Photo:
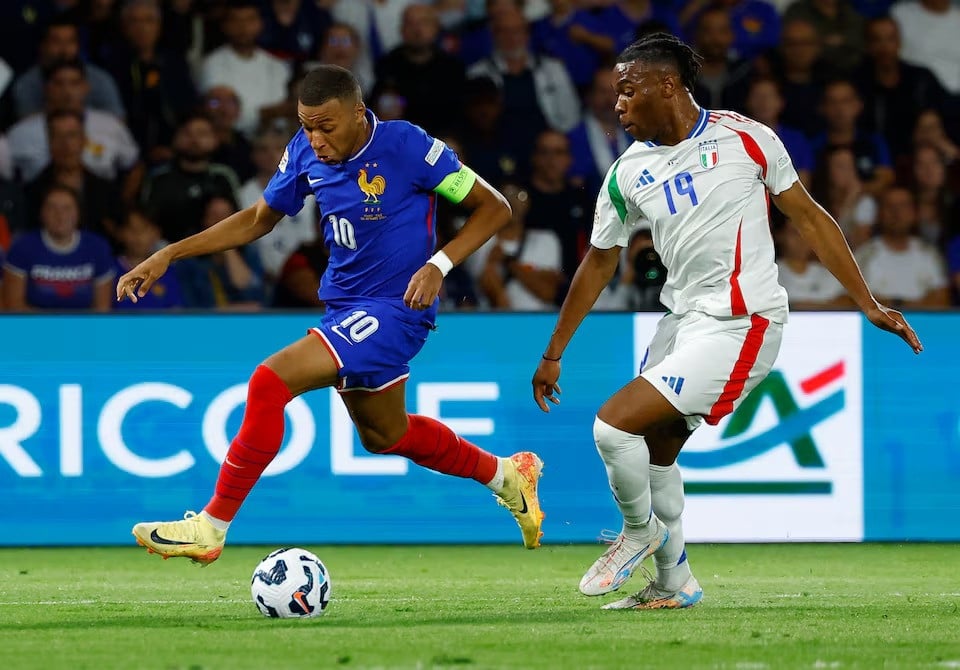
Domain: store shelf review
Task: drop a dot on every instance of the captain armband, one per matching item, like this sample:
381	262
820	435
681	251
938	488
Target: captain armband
456	185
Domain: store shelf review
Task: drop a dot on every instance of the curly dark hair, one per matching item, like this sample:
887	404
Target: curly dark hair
665	49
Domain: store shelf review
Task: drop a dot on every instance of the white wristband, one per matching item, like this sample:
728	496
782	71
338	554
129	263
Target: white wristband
442	262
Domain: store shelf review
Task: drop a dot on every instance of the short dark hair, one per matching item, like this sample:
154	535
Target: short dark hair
329	82
665	49
68	64
54	116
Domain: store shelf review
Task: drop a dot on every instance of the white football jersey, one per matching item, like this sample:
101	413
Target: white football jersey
705	201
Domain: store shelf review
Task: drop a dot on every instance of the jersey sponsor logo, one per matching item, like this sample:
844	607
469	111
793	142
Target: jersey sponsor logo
372	187
783	161
436	149
709	154
282	166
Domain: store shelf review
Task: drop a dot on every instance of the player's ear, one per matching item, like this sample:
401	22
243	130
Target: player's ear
668	85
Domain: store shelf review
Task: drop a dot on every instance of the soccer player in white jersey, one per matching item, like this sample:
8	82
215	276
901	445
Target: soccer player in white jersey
700	180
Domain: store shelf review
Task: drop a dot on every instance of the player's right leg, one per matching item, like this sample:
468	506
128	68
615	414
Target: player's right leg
304	365
385	427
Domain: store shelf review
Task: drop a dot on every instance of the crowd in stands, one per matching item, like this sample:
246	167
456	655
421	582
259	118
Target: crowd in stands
129	124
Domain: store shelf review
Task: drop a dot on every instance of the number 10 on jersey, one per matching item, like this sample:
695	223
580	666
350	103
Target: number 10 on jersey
683	185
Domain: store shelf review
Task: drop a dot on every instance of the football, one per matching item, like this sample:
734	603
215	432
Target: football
290	584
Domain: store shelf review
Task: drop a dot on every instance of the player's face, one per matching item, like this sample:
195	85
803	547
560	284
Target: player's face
640	91
335	128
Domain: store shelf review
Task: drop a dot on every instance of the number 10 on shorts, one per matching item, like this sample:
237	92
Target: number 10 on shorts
357	327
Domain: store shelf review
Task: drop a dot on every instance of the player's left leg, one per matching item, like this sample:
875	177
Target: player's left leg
385	427
674	586
619	431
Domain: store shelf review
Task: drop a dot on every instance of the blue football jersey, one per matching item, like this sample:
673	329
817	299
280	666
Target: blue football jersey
378	207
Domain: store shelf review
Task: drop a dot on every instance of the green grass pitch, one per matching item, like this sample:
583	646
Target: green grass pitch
765	606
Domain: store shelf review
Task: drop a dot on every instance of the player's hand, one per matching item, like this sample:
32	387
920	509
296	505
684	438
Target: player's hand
136	283
892	321
545	384
424	287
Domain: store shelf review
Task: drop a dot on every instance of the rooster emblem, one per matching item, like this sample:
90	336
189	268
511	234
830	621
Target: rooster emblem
371	188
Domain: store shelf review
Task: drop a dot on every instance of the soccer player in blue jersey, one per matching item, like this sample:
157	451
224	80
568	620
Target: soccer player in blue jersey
376	184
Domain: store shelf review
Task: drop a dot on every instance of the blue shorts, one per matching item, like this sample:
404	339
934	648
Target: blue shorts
372	341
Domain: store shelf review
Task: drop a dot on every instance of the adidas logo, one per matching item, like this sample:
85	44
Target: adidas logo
645	178
675	383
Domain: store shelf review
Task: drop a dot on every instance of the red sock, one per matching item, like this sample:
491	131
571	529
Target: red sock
255	445
431	444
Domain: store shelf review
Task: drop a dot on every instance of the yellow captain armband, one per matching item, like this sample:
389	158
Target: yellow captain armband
456	185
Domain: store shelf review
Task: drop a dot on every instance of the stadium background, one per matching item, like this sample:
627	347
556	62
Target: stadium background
852	431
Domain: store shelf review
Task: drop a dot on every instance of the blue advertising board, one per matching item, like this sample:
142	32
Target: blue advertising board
911	425
107	420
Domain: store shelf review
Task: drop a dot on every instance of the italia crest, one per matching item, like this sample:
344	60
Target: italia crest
709	155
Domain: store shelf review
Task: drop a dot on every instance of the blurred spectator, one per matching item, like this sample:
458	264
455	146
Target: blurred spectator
377	21
522	269
61	42
293	29
99	199
894	92
555	203
765	104
156	85
6	94
576	38
476	38
139	237
841	108
622	19
414	68
230	280
801	73
376	24
838	188
929	129
755	23
902	269
176	194
598	139
258	78
13	212
59	267
839	26
639	280
929	30
723	79
388	104
537	91
222	107
343	46
485	141
98	21
109	151
809	285
183	32
298	282
936	202
291	232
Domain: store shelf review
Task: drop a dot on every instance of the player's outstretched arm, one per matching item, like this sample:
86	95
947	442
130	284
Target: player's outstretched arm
595	272
489	212
234	231
823	234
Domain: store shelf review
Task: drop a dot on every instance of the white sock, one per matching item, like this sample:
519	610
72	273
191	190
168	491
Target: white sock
496	484
219	524
628	460
666	493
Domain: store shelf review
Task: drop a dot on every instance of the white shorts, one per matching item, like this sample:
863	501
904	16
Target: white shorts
705	365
